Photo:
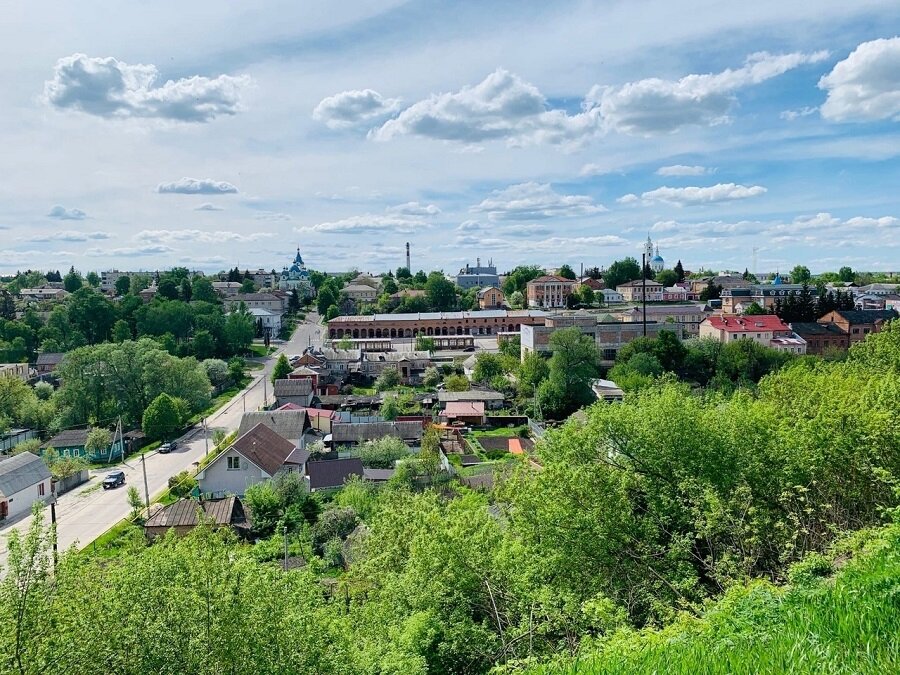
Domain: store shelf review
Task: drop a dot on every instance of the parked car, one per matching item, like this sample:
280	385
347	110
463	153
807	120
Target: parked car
166	448
114	479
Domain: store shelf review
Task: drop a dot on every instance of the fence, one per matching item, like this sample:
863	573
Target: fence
63	485
536	428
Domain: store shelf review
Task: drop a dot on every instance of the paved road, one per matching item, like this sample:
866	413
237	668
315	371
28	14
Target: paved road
86	512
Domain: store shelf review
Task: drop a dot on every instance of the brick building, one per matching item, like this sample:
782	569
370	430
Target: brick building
487	322
550	292
767	330
820	337
859	323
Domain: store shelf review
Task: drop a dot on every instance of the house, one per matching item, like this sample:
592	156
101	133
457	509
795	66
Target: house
468	412
147	294
227	289
679	293
71	443
490	298
869	301
767	330
737	300
880	289
360	292
256	456
270	301
185	514
820	337
267	320
378	475
611	296
550	291
19	371
595	285
401	295
43	293
12	437
291	424
492	400
319	418
24	480
47	362
409	365
724	280
858	323
632	291
306	373
298	391
330	474
351	434
892	302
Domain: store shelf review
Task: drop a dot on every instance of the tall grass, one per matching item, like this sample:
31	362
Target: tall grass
846	623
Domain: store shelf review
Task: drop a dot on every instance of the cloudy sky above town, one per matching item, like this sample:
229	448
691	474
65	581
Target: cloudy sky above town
146	135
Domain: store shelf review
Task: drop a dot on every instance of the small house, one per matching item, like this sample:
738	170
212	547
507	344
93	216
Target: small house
185	514
330	474
294	391
72	442
470	413
352	434
12	437
48	362
24	480
290	424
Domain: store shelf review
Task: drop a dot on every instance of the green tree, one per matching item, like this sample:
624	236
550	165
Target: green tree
390	408
72	281
667	278
388	379
517	280
389	286
712	291
534	370
800	274
121	330
247	286
679	272
572	367
217	371
456	383
441	293
622	271
755	309
282	368
487	366
516	299
162	418
93	279
846	274
202	290
382	453
326	298
123	285
98	441
185	290
167	289
91	314
511	347
182	484
566	272
238	331
425	344
332	312
134	501
431	377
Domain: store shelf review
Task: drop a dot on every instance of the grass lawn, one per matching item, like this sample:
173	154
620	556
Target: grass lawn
502	432
261	351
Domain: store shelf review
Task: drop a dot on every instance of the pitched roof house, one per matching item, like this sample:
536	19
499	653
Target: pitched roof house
859	323
256	456
289	424
332	473
350	433
24	480
299	391
185	514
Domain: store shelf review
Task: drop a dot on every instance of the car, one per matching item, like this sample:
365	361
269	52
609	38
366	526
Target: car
114	479
166	448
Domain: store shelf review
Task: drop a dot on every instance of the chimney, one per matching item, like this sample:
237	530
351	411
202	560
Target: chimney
408	266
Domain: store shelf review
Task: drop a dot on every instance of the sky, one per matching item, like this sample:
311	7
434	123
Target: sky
140	136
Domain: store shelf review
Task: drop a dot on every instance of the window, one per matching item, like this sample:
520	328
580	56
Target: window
41	489
856	330
234	463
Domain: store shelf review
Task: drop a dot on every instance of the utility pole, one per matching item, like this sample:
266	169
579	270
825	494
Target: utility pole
644	288
265	392
285	548
205	436
244	401
146	488
53	522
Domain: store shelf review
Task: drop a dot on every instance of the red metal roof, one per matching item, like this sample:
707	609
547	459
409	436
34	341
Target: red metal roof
464	409
748	323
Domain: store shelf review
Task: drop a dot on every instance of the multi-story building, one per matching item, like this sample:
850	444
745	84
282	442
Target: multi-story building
264	279
227	289
550	292
410	366
723	280
360	292
737	300
109	278
821	336
762	329
487	322
632	291
859	323
269	301
478	276
490	298
880	289
689	316
608	334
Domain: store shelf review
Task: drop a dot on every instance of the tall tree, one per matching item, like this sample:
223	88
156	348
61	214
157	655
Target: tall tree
800	274
123	285
72	281
162	418
846	274
566	271
282	368
517	280
622	271
679	271
441	292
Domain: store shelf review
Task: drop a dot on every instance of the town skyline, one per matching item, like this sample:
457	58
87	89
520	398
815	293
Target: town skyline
550	140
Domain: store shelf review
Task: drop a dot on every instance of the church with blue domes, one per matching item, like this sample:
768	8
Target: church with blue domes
296	277
654	259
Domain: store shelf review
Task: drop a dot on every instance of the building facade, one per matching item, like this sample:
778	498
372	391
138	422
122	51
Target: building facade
487	322
550	292
737	300
490	298
689	316
360	292
762	329
24	480
632	291
478	276
296	277
859	324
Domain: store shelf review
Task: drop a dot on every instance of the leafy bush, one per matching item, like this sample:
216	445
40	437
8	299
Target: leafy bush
181	484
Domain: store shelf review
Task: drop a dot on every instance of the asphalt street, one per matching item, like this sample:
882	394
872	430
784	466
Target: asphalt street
87	511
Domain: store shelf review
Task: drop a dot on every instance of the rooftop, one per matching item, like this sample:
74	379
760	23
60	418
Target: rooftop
186	513
289	424
332	473
20	472
265	448
464	409
438	316
747	324
344	432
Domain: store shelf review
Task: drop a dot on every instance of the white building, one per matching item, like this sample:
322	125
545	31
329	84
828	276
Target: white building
360	292
109	278
654	259
611	296
296	277
266	318
24	480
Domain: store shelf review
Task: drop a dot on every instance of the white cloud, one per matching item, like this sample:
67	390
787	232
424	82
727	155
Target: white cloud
273	216
353	108
630	198
206	206
62	213
702	195
469	226
535	201
682	170
657	106
70	235
201	236
368	222
593	169
415	209
196	186
128	251
866	85
572	244
501	107
805	111
109	88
